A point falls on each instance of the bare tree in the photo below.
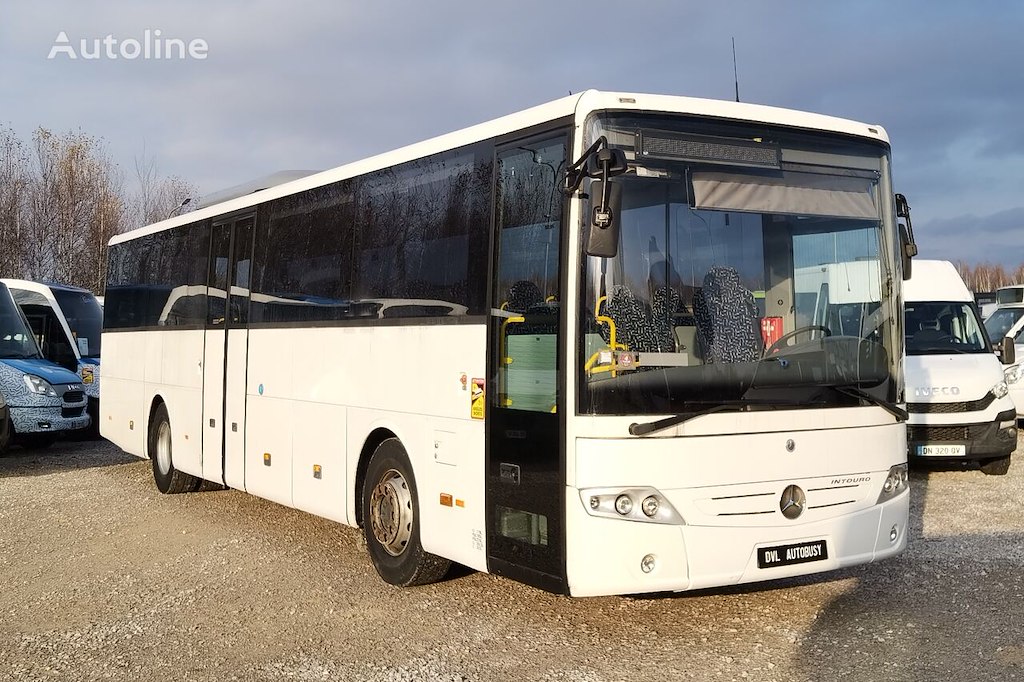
(157, 197)
(14, 179)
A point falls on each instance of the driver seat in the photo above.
(727, 319)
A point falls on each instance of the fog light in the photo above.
(623, 504)
(893, 533)
(648, 563)
(650, 505)
(595, 502)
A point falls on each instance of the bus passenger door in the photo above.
(525, 479)
(225, 356)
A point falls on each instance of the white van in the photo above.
(956, 392)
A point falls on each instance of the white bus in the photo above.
(592, 401)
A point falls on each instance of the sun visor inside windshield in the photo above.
(793, 193)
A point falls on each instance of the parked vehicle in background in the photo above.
(67, 322)
(5, 424)
(44, 400)
(986, 302)
(957, 395)
(1010, 294)
(1008, 322)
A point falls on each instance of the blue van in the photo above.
(67, 322)
(43, 399)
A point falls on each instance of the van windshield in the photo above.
(16, 340)
(934, 328)
(85, 318)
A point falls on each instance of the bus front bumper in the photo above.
(607, 556)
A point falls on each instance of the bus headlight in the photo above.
(630, 504)
(1013, 373)
(896, 481)
(39, 386)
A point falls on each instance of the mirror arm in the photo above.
(574, 173)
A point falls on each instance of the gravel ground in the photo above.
(101, 577)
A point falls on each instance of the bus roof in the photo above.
(579, 106)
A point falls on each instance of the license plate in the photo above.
(787, 555)
(942, 450)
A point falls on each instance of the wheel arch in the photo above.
(156, 401)
(373, 440)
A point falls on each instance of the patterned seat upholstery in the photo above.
(639, 327)
(727, 319)
(523, 295)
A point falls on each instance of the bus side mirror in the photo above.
(908, 249)
(1007, 352)
(602, 236)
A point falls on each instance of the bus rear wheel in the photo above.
(391, 520)
(168, 479)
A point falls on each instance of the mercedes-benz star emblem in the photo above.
(793, 502)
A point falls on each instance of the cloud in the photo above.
(313, 85)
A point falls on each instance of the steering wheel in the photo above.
(825, 331)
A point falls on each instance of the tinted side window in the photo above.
(407, 241)
(158, 280)
(303, 258)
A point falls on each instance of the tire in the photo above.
(5, 435)
(168, 480)
(391, 520)
(996, 467)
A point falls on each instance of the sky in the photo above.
(313, 85)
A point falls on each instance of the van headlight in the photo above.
(630, 504)
(1013, 373)
(39, 386)
(1000, 389)
(896, 481)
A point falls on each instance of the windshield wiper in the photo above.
(637, 429)
(893, 409)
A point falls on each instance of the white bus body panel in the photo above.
(142, 366)
(302, 387)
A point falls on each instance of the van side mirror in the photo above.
(1007, 351)
(602, 236)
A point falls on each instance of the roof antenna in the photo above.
(736, 78)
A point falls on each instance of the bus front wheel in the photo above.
(391, 520)
(168, 479)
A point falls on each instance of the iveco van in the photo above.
(43, 399)
(956, 392)
(67, 322)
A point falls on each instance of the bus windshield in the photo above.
(748, 273)
(85, 318)
(16, 339)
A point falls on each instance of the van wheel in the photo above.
(5, 435)
(168, 479)
(996, 467)
(391, 520)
